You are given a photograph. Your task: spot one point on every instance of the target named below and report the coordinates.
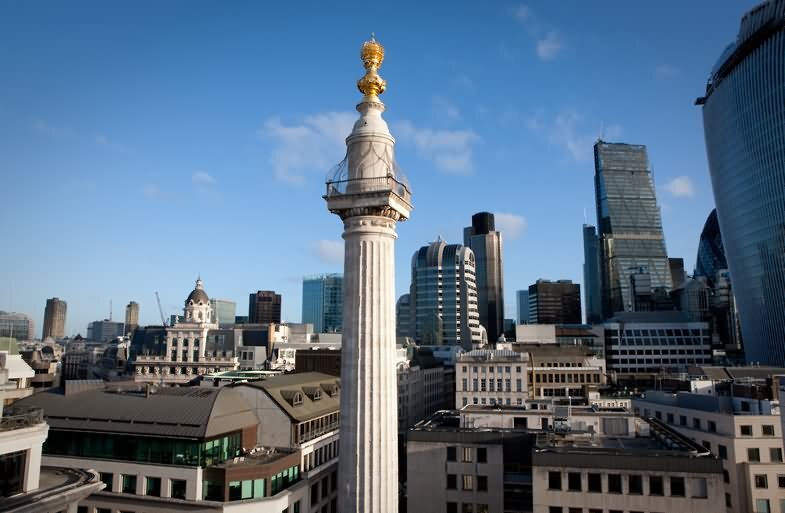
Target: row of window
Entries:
(468, 454)
(711, 426)
(489, 369)
(566, 378)
(488, 385)
(466, 507)
(128, 484)
(762, 481)
(560, 509)
(328, 484)
(615, 483)
(320, 456)
(493, 401)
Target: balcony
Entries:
(368, 185)
(18, 417)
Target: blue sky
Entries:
(143, 143)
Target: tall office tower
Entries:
(369, 193)
(264, 307)
(711, 252)
(678, 275)
(743, 115)
(403, 316)
(443, 296)
(555, 302)
(54, 318)
(323, 302)
(592, 296)
(224, 311)
(131, 316)
(522, 305)
(104, 331)
(629, 225)
(16, 325)
(486, 243)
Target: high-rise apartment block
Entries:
(592, 285)
(443, 296)
(323, 302)
(54, 318)
(16, 325)
(555, 302)
(743, 115)
(629, 226)
(131, 316)
(264, 307)
(224, 311)
(486, 243)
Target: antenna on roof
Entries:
(110, 309)
(585, 219)
(602, 130)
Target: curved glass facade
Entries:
(744, 124)
(711, 253)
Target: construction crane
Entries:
(160, 309)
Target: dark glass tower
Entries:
(711, 253)
(486, 243)
(555, 302)
(630, 225)
(591, 274)
(743, 120)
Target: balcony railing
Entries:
(18, 417)
(363, 185)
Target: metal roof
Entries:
(282, 390)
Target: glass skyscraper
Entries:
(711, 253)
(629, 225)
(591, 274)
(486, 243)
(323, 302)
(744, 126)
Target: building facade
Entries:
(629, 224)
(522, 306)
(743, 109)
(224, 311)
(131, 317)
(16, 325)
(104, 331)
(711, 252)
(555, 302)
(492, 377)
(264, 307)
(592, 289)
(323, 302)
(486, 243)
(54, 318)
(443, 296)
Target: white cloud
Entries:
(312, 145)
(445, 110)
(666, 71)
(449, 150)
(512, 226)
(522, 13)
(565, 132)
(151, 190)
(549, 46)
(202, 179)
(680, 187)
(328, 251)
(45, 128)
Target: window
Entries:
(728, 502)
(334, 481)
(482, 455)
(781, 481)
(682, 420)
(775, 454)
(129, 483)
(753, 455)
(555, 509)
(518, 385)
(467, 455)
(452, 507)
(451, 454)
(574, 481)
(314, 494)
(746, 430)
(761, 481)
(762, 506)
(107, 478)
(669, 418)
(452, 482)
(482, 483)
(768, 430)
(153, 487)
(699, 488)
(635, 484)
(712, 427)
(725, 476)
(467, 482)
(554, 480)
(706, 444)
(595, 482)
(677, 486)
(696, 423)
(614, 483)
(722, 451)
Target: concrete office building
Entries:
(745, 433)
(522, 306)
(323, 302)
(54, 319)
(443, 296)
(592, 284)
(555, 302)
(629, 224)
(17, 374)
(743, 110)
(104, 331)
(264, 307)
(486, 243)
(421, 382)
(678, 275)
(131, 317)
(224, 311)
(16, 325)
(403, 316)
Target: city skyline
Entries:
(223, 131)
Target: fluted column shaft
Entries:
(368, 463)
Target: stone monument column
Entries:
(370, 197)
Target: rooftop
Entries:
(303, 396)
(57, 488)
